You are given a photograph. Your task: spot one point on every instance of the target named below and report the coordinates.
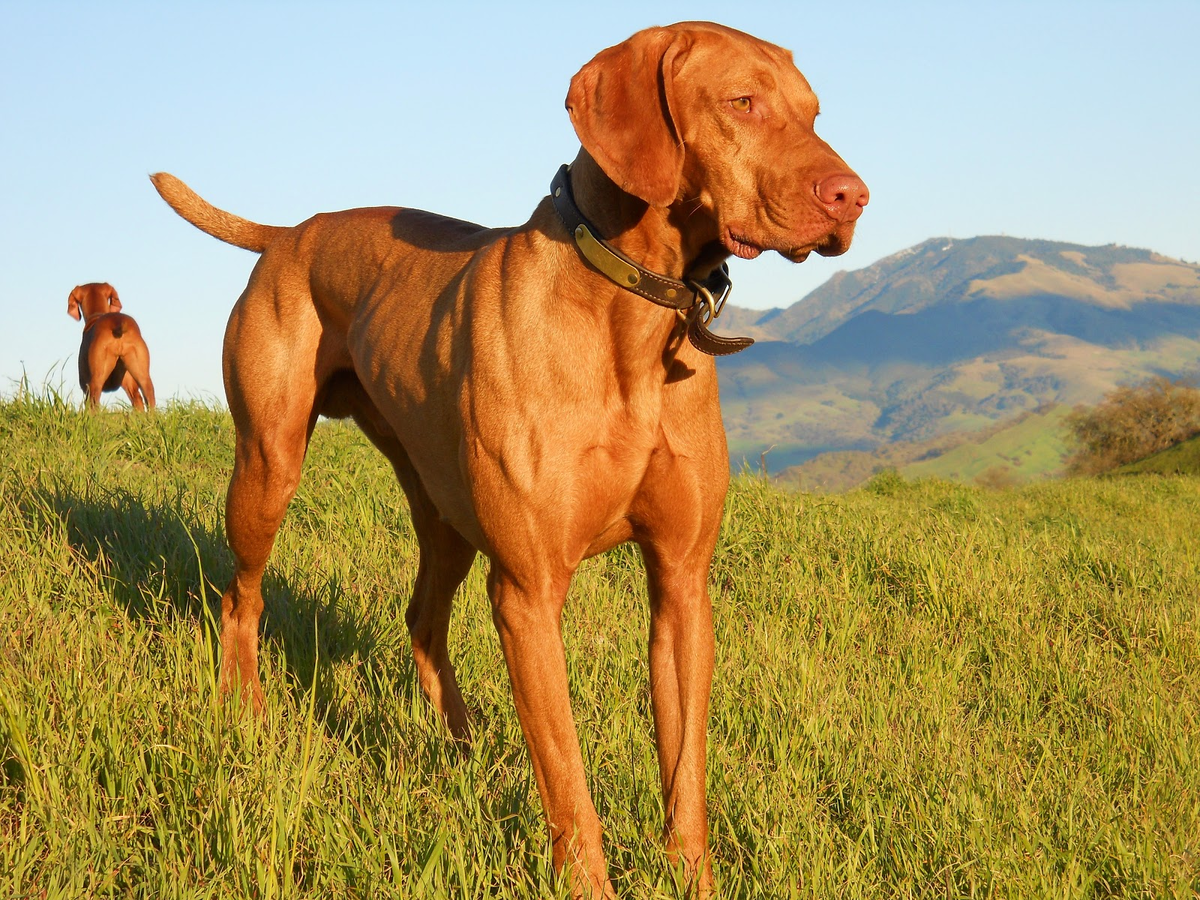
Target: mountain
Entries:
(954, 335)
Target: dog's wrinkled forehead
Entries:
(745, 66)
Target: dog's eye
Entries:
(741, 104)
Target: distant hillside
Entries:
(1182, 459)
(1025, 448)
(954, 335)
(1029, 448)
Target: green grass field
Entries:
(922, 689)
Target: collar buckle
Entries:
(710, 307)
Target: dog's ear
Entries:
(114, 302)
(620, 105)
(73, 301)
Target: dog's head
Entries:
(90, 300)
(719, 124)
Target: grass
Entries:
(922, 689)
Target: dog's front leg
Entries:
(528, 617)
(681, 671)
(677, 519)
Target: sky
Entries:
(1072, 121)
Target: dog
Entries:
(113, 353)
(543, 392)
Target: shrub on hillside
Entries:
(1132, 423)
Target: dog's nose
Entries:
(843, 196)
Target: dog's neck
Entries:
(689, 278)
(669, 241)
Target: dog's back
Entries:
(112, 353)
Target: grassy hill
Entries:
(1028, 447)
(921, 689)
(1028, 450)
(1182, 459)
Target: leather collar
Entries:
(698, 302)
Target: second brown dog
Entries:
(113, 353)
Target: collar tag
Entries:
(616, 269)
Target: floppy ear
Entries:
(620, 105)
(73, 303)
(114, 302)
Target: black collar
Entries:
(698, 302)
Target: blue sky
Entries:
(1073, 121)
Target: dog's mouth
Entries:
(743, 248)
(740, 246)
(838, 241)
(833, 244)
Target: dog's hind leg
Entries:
(92, 393)
(266, 472)
(102, 366)
(271, 385)
(130, 387)
(445, 560)
(137, 383)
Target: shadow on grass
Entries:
(162, 564)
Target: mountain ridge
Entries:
(954, 334)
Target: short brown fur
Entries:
(113, 353)
(533, 411)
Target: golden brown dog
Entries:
(535, 409)
(113, 353)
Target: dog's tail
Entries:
(222, 225)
